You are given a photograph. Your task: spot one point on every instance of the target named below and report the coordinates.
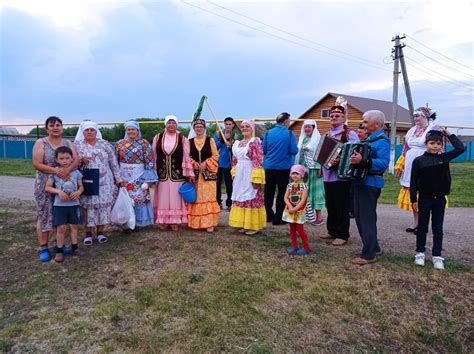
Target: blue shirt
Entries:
(279, 146)
(67, 186)
(380, 158)
(225, 153)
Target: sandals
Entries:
(102, 239)
(88, 241)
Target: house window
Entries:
(325, 113)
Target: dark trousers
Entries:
(435, 206)
(338, 205)
(274, 178)
(224, 174)
(365, 210)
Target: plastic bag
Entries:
(122, 213)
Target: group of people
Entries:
(84, 177)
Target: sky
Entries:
(117, 60)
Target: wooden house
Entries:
(356, 106)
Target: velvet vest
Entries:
(169, 166)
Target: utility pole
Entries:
(405, 81)
(393, 125)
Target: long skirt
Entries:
(168, 206)
(204, 213)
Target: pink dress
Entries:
(168, 206)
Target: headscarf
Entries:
(171, 117)
(133, 124)
(249, 122)
(300, 169)
(425, 112)
(314, 141)
(86, 124)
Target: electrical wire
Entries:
(282, 38)
(416, 65)
(424, 45)
(437, 61)
(292, 34)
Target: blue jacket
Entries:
(225, 154)
(279, 147)
(380, 158)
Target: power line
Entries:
(281, 38)
(437, 61)
(432, 73)
(292, 34)
(438, 52)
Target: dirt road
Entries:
(458, 225)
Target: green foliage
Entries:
(269, 125)
(38, 132)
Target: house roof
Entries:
(8, 131)
(365, 104)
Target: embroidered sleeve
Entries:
(212, 162)
(113, 164)
(187, 162)
(255, 154)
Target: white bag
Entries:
(122, 213)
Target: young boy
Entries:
(430, 182)
(66, 209)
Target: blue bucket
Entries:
(188, 192)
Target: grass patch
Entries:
(462, 186)
(225, 292)
(17, 167)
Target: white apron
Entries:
(242, 187)
(416, 148)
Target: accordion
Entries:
(354, 172)
(328, 149)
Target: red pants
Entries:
(298, 228)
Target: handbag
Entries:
(90, 181)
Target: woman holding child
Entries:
(45, 165)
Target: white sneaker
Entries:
(420, 259)
(438, 262)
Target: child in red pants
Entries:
(295, 210)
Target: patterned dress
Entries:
(96, 208)
(296, 191)
(204, 213)
(248, 207)
(44, 201)
(316, 199)
(135, 159)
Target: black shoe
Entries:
(411, 229)
(279, 222)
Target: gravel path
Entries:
(458, 225)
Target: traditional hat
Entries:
(337, 109)
(300, 169)
(199, 121)
(426, 112)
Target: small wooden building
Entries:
(356, 106)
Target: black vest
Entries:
(169, 166)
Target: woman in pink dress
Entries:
(173, 166)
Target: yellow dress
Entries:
(248, 207)
(204, 213)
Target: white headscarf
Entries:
(86, 124)
(167, 118)
(311, 145)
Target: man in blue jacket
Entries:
(225, 159)
(367, 192)
(279, 148)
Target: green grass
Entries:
(462, 186)
(153, 291)
(16, 167)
